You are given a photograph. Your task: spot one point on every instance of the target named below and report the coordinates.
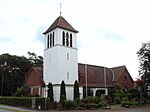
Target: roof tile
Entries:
(61, 23)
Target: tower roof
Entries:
(61, 23)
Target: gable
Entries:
(35, 77)
(61, 23)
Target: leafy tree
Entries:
(14, 73)
(22, 91)
(62, 91)
(37, 61)
(76, 90)
(144, 58)
(50, 92)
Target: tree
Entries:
(14, 73)
(76, 90)
(62, 91)
(37, 61)
(144, 58)
(50, 92)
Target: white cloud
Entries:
(110, 31)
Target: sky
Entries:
(110, 31)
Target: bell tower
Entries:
(60, 54)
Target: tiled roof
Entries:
(95, 76)
(38, 72)
(119, 71)
(61, 23)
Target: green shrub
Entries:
(117, 100)
(76, 90)
(78, 101)
(91, 100)
(90, 105)
(62, 91)
(125, 99)
(50, 92)
(102, 104)
(126, 103)
(93, 103)
(26, 102)
(70, 104)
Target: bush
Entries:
(117, 100)
(125, 99)
(102, 104)
(91, 100)
(93, 103)
(70, 104)
(125, 102)
(25, 102)
(77, 100)
(107, 99)
(54, 105)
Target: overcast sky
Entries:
(110, 31)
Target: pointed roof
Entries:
(118, 71)
(95, 75)
(61, 23)
(35, 77)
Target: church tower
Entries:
(60, 55)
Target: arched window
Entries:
(53, 38)
(48, 41)
(70, 40)
(67, 39)
(63, 38)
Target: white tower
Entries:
(60, 55)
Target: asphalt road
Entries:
(138, 109)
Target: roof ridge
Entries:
(61, 23)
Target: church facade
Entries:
(61, 64)
(60, 56)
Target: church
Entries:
(61, 64)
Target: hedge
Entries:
(26, 102)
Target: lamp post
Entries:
(3, 68)
(113, 80)
(106, 92)
(86, 79)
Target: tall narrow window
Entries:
(67, 75)
(67, 39)
(67, 56)
(48, 41)
(63, 38)
(70, 40)
(53, 38)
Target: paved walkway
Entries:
(8, 108)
